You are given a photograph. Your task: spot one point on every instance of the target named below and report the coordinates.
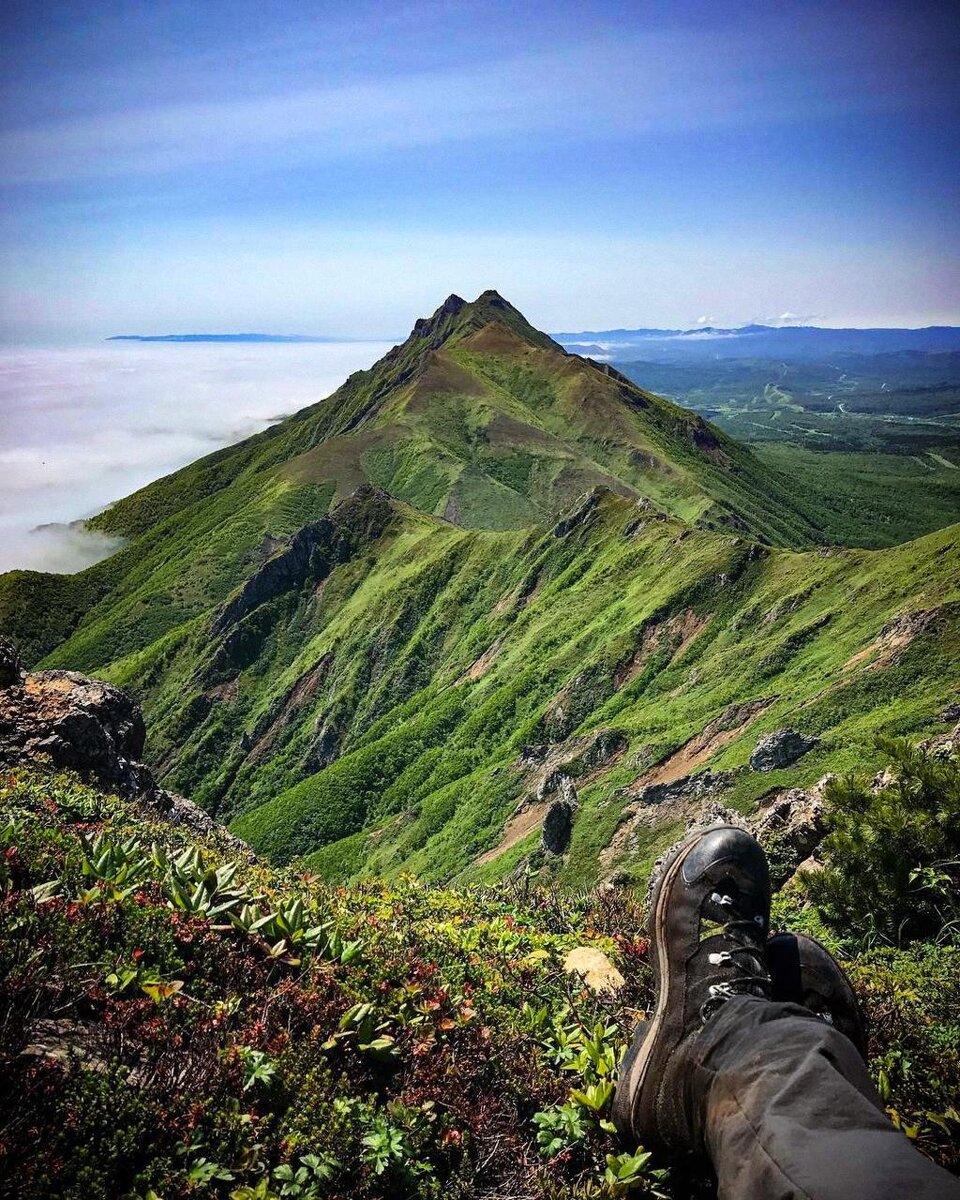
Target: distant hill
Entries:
(757, 341)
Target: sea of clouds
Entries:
(82, 427)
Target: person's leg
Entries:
(782, 1103)
(777, 1097)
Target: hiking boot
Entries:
(804, 972)
(709, 918)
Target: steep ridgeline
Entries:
(491, 602)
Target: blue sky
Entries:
(338, 169)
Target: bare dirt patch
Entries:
(300, 694)
(681, 630)
(530, 817)
(339, 460)
(225, 692)
(718, 733)
(507, 602)
(892, 640)
(482, 665)
(443, 376)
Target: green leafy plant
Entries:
(117, 867)
(306, 1180)
(626, 1173)
(560, 1127)
(257, 1067)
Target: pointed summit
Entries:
(426, 327)
(456, 319)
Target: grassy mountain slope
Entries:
(477, 417)
(545, 639)
(344, 630)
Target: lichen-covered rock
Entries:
(78, 723)
(780, 749)
(688, 787)
(95, 729)
(533, 756)
(549, 784)
(178, 810)
(790, 825)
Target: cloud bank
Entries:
(80, 428)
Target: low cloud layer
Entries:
(80, 428)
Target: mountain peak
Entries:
(457, 318)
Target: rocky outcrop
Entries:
(946, 745)
(311, 554)
(558, 822)
(324, 749)
(594, 968)
(533, 756)
(77, 723)
(780, 749)
(581, 757)
(790, 825)
(92, 728)
(178, 810)
(580, 513)
(686, 788)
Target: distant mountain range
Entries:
(668, 345)
(756, 341)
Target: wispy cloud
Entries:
(669, 79)
(790, 318)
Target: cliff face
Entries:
(312, 553)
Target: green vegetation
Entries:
(872, 499)
(376, 639)
(872, 442)
(179, 1021)
(893, 851)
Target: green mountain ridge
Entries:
(345, 630)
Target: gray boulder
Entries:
(780, 749)
(790, 825)
(78, 723)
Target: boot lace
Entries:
(744, 958)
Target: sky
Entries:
(337, 169)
